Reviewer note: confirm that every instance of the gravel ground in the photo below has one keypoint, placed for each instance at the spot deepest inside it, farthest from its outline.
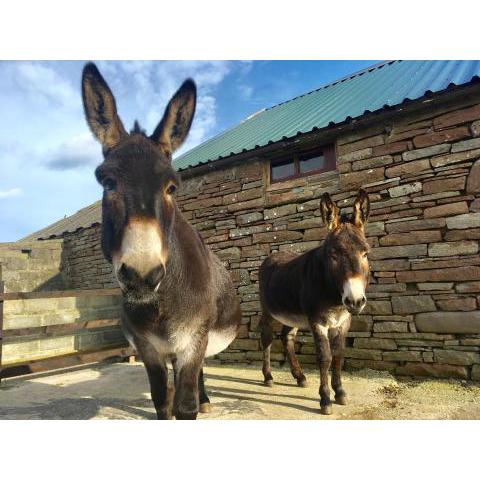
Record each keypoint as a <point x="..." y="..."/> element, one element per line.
<point x="120" y="391"/>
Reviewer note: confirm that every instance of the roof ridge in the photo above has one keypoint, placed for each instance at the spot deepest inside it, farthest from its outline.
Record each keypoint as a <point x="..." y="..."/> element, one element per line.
<point x="351" y="76"/>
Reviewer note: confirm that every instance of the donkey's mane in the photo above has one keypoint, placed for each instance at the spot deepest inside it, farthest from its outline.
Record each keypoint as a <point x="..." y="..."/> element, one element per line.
<point x="138" y="129"/>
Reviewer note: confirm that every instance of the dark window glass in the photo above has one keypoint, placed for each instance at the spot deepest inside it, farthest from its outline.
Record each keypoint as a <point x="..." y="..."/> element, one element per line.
<point x="311" y="162"/>
<point x="283" y="169"/>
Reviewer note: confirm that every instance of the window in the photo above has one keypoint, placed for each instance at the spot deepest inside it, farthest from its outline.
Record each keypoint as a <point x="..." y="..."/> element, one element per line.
<point x="283" y="169"/>
<point x="308" y="163"/>
<point x="302" y="164"/>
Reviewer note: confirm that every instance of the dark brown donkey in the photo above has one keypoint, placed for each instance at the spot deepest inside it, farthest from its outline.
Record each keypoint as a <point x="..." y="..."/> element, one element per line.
<point x="319" y="290"/>
<point x="178" y="300"/>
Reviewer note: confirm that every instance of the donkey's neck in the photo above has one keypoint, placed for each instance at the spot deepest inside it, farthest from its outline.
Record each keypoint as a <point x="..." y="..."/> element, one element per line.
<point x="317" y="266"/>
<point x="187" y="263"/>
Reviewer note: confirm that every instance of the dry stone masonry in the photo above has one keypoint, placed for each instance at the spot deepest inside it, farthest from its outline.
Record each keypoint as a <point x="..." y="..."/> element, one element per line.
<point x="30" y="266"/>
<point x="83" y="263"/>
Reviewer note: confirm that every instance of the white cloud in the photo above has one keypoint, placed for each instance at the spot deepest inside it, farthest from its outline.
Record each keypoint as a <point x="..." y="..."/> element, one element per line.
<point x="80" y="151"/>
<point x="12" y="192"/>
<point x="246" y="91"/>
<point x="43" y="84"/>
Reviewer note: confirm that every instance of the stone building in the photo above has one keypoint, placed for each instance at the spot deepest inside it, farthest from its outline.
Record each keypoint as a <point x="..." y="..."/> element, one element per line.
<point x="407" y="132"/>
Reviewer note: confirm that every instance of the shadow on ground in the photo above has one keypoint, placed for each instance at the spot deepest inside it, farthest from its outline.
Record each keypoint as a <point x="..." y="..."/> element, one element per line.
<point x="121" y="391"/>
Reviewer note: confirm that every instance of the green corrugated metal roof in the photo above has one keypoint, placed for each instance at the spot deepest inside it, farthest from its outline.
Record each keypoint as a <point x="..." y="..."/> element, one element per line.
<point x="371" y="89"/>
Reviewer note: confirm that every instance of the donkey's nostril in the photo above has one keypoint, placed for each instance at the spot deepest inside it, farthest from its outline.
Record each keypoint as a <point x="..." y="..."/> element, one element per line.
<point x="359" y="304"/>
<point x="155" y="276"/>
<point x="348" y="302"/>
<point x="127" y="274"/>
<point x="362" y="302"/>
<point x="124" y="272"/>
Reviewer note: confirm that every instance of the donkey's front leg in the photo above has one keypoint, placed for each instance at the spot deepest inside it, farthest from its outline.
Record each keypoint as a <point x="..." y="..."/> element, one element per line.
<point x="324" y="359"/>
<point x="337" y="344"/>
<point x="158" y="377"/>
<point x="189" y="364"/>
<point x="288" y="339"/>
<point x="266" y="338"/>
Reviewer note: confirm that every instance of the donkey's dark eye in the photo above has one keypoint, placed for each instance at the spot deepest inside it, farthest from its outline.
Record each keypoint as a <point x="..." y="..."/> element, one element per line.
<point x="171" y="189"/>
<point x="109" y="184"/>
<point x="365" y="255"/>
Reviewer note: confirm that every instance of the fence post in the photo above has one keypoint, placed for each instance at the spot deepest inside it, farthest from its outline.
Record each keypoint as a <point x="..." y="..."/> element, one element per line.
<point x="2" y="289"/>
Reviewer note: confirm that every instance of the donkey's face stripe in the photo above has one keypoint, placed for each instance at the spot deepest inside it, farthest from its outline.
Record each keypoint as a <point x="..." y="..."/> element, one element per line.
<point x="142" y="247"/>
<point x="354" y="288"/>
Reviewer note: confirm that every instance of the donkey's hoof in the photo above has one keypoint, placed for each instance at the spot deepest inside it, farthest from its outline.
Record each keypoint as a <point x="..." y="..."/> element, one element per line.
<point x="326" y="409"/>
<point x="164" y="415"/>
<point x="186" y="409"/>
<point x="205" y="407"/>
<point x="268" y="383"/>
<point x="186" y="416"/>
<point x="341" y="399"/>
<point x="302" y="381"/>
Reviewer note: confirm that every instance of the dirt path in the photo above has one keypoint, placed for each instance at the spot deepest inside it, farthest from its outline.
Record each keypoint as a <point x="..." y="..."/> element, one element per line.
<point x="120" y="391"/>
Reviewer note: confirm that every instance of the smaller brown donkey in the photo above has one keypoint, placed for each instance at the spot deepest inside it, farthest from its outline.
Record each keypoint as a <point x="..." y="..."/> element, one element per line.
<point x="179" y="303"/>
<point x="319" y="290"/>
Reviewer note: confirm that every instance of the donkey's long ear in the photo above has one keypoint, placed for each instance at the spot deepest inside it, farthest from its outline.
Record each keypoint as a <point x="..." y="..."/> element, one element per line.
<point x="361" y="209"/>
<point x="177" y="119"/>
<point x="330" y="212"/>
<point x="100" y="108"/>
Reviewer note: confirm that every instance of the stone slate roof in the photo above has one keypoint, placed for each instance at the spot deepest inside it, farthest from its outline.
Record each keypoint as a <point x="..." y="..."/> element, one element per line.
<point x="86" y="217"/>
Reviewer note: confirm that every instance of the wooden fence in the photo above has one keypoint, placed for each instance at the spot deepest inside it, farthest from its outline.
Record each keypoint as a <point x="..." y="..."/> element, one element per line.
<point x="51" y="331"/>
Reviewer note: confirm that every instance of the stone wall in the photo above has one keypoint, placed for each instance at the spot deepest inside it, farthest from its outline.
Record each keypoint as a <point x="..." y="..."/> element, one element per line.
<point x="83" y="262"/>
<point x="28" y="266"/>
<point x="422" y="173"/>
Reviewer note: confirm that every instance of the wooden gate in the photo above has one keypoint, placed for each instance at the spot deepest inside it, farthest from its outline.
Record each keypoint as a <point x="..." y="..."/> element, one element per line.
<point x="117" y="351"/>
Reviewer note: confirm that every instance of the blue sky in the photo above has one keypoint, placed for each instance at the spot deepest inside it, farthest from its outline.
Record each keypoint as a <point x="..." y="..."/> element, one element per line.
<point x="47" y="154"/>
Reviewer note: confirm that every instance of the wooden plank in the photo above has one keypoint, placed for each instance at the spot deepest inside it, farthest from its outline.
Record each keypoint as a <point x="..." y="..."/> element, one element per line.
<point x="60" y="329"/>
<point x="63" y="361"/>
<point x="99" y="292"/>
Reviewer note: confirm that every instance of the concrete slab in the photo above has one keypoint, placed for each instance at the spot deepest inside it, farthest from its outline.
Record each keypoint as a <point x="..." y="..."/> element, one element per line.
<point x="120" y="391"/>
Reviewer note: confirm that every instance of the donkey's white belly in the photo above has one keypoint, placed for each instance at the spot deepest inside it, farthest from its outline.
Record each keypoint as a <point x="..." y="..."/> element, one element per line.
<point x="180" y="343"/>
<point x="334" y="319"/>
<point x="219" y="340"/>
<point x="297" y="321"/>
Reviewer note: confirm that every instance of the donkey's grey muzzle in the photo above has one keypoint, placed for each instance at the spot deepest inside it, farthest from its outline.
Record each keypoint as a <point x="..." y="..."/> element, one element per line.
<point x="131" y="280"/>
<point x="355" y="306"/>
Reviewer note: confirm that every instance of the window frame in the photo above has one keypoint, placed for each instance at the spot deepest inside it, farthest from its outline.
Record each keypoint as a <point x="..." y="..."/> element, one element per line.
<point x="328" y="151"/>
